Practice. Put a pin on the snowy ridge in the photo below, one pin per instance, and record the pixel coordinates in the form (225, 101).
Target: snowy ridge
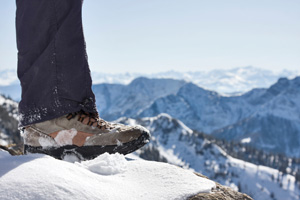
(106, 177)
(179, 145)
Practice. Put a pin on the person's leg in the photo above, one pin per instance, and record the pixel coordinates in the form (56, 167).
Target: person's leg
(52, 61)
(57, 110)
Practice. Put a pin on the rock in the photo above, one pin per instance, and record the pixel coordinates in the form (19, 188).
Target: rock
(220, 193)
(11, 151)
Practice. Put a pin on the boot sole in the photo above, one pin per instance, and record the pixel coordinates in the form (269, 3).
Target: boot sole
(89, 152)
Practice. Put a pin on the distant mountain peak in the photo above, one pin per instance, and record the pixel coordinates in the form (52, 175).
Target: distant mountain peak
(284, 84)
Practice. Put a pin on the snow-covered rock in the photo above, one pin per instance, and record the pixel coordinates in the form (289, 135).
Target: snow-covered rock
(39, 177)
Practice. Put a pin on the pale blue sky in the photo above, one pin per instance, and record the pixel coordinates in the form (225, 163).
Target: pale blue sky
(184, 35)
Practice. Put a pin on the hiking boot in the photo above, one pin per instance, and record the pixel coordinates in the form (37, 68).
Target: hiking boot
(84, 135)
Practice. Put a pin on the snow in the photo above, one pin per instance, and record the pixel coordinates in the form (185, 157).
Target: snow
(65, 137)
(246, 140)
(106, 164)
(3, 142)
(119, 143)
(106, 177)
(260, 178)
(45, 141)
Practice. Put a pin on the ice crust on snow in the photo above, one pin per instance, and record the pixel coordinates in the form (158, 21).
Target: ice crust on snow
(106, 177)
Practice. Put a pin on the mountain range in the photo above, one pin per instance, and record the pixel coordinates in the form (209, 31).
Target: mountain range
(261, 117)
(265, 118)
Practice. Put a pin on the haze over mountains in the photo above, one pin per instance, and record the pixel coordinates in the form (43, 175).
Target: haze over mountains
(229, 82)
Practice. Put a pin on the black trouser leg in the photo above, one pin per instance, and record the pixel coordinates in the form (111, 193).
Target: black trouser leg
(52, 61)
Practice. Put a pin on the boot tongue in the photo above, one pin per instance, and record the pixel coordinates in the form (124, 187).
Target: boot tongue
(93, 119)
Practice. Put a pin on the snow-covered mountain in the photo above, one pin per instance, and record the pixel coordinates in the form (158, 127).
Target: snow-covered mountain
(174, 142)
(257, 115)
(230, 82)
(268, 117)
(9, 133)
(114, 100)
(275, 124)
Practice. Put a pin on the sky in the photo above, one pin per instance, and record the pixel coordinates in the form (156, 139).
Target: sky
(149, 36)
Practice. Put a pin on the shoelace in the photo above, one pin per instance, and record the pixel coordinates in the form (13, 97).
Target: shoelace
(91, 119)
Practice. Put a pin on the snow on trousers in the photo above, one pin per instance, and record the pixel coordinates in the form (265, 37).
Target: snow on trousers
(52, 60)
